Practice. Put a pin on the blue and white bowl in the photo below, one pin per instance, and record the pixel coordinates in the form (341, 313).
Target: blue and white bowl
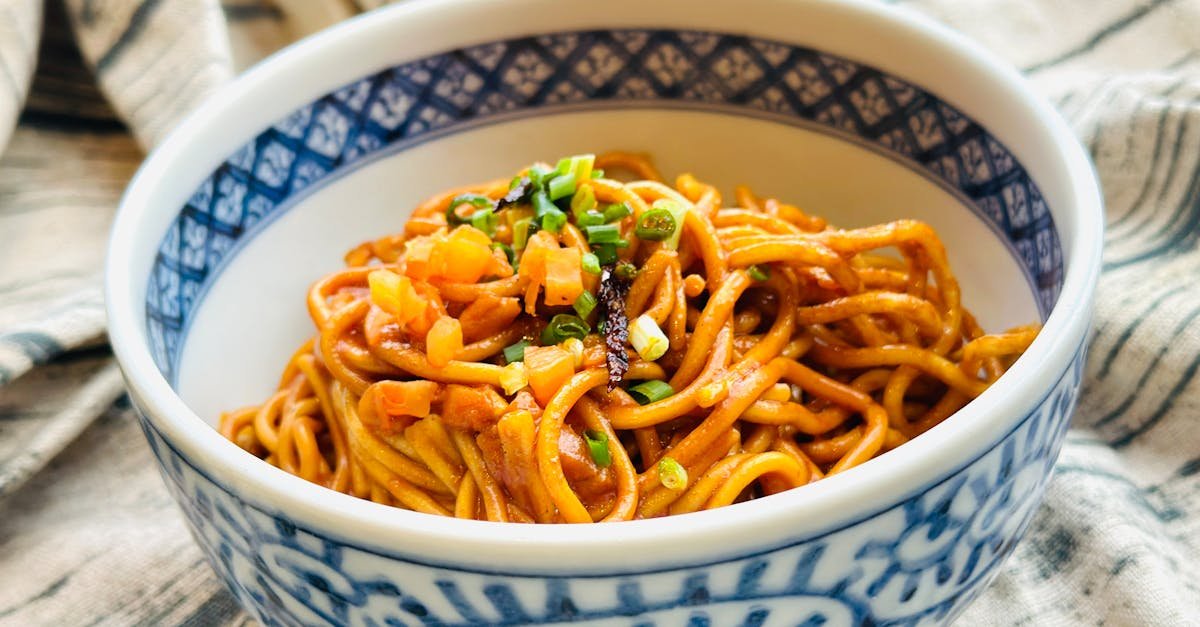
(858, 112)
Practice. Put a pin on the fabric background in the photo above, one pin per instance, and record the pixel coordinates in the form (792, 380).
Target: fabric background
(88, 534)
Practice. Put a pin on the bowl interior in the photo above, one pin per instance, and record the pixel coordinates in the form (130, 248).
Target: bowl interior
(840, 139)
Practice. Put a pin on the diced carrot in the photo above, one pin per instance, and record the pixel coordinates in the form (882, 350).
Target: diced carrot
(533, 266)
(524, 401)
(421, 259)
(564, 276)
(487, 315)
(473, 407)
(549, 368)
(467, 253)
(400, 403)
(397, 296)
(443, 342)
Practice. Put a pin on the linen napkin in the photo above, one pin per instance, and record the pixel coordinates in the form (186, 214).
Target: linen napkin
(88, 534)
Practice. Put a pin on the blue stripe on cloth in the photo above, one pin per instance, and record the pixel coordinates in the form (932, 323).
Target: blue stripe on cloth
(1164, 407)
(1129, 330)
(1155, 159)
(1100, 35)
(1172, 235)
(137, 22)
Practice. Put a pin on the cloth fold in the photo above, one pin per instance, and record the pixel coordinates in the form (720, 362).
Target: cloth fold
(1114, 543)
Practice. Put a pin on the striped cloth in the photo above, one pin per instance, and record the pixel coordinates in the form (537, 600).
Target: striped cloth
(89, 535)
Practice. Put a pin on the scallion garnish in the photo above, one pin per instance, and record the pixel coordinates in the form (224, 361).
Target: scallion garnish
(677, 211)
(516, 352)
(597, 442)
(617, 211)
(759, 273)
(597, 173)
(522, 229)
(538, 174)
(589, 218)
(591, 263)
(603, 234)
(672, 474)
(606, 253)
(553, 221)
(651, 391)
(656, 225)
(485, 220)
(478, 201)
(648, 338)
(583, 201)
(584, 304)
(542, 204)
(561, 186)
(563, 326)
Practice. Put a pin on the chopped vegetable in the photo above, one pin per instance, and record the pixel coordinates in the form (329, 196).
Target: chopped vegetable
(603, 234)
(507, 250)
(514, 376)
(647, 338)
(584, 304)
(471, 252)
(589, 218)
(590, 263)
(514, 353)
(479, 201)
(563, 326)
(651, 391)
(549, 369)
(397, 296)
(553, 221)
(759, 273)
(597, 443)
(575, 346)
(583, 201)
(615, 325)
(443, 342)
(561, 186)
(656, 225)
(579, 165)
(617, 211)
(522, 229)
(564, 276)
(542, 204)
(672, 474)
(399, 403)
(597, 173)
(485, 220)
(677, 211)
(606, 254)
(471, 406)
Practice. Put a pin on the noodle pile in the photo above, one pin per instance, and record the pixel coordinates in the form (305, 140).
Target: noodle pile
(567, 347)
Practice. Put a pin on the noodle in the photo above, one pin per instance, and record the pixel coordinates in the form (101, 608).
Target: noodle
(568, 347)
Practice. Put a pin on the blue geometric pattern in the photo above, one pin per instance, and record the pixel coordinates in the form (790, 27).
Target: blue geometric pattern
(917, 562)
(730, 73)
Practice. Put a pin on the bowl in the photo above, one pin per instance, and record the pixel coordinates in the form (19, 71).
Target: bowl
(854, 110)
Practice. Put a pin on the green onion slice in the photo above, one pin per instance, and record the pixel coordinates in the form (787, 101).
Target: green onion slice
(584, 304)
(563, 326)
(606, 254)
(516, 352)
(553, 221)
(617, 211)
(561, 186)
(672, 474)
(759, 273)
(651, 391)
(485, 220)
(603, 234)
(597, 442)
(591, 263)
(479, 201)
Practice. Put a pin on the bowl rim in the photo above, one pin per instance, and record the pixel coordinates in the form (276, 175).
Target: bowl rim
(837, 501)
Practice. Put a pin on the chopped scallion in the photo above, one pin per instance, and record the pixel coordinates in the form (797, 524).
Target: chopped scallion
(591, 263)
(553, 221)
(563, 326)
(561, 186)
(617, 211)
(606, 253)
(626, 271)
(672, 474)
(589, 218)
(603, 234)
(584, 304)
(478, 201)
(677, 211)
(542, 204)
(597, 442)
(522, 229)
(583, 201)
(485, 220)
(516, 352)
(647, 338)
(651, 391)
(597, 173)
(507, 250)
(759, 273)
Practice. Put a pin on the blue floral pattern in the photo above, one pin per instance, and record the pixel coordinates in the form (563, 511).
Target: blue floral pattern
(725, 72)
(918, 562)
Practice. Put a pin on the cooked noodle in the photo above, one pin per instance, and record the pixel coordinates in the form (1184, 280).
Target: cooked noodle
(779, 350)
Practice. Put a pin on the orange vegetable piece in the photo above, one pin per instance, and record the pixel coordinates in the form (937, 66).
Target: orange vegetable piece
(467, 255)
(474, 407)
(549, 368)
(400, 403)
(421, 259)
(564, 276)
(443, 342)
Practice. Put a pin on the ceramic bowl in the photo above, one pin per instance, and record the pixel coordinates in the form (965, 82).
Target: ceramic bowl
(854, 110)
